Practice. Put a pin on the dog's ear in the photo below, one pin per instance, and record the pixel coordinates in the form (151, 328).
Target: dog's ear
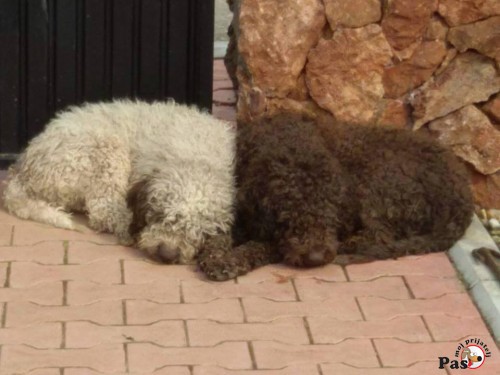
(133, 193)
(137, 203)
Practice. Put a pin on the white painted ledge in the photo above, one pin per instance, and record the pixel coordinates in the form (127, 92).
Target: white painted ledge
(220, 48)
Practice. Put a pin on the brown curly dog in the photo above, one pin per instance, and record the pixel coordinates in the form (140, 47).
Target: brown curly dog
(310, 192)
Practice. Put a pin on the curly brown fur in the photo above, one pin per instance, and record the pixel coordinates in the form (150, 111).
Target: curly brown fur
(220, 261)
(413, 194)
(310, 192)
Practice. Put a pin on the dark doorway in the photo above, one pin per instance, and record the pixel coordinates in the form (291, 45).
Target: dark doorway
(55, 53)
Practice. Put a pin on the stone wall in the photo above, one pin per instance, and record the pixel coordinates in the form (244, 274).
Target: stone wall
(429, 65)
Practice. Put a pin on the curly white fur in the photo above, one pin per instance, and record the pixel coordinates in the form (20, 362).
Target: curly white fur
(88, 157)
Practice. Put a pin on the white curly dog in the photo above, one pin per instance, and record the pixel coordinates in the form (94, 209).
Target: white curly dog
(160, 175)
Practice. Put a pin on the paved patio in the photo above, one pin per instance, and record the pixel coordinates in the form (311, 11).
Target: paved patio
(78, 304)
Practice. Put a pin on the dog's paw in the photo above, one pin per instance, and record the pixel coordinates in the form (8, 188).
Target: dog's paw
(221, 272)
(220, 267)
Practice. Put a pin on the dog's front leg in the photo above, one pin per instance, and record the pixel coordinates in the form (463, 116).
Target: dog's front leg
(220, 261)
(110, 214)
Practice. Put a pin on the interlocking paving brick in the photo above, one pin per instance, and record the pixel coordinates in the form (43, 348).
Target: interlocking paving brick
(454, 328)
(46, 294)
(200, 291)
(3, 272)
(452, 304)
(224, 112)
(327, 330)
(397, 353)
(432, 287)
(45, 371)
(83, 293)
(224, 97)
(222, 310)
(422, 368)
(21, 359)
(262, 310)
(387, 287)
(25, 274)
(5, 234)
(139, 272)
(26, 313)
(51, 252)
(209, 333)
(436, 264)
(223, 84)
(147, 357)
(273, 355)
(167, 370)
(280, 273)
(220, 71)
(86, 252)
(87, 335)
(41, 336)
(301, 369)
(31, 233)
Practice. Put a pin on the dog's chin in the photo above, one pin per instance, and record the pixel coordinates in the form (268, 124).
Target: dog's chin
(169, 249)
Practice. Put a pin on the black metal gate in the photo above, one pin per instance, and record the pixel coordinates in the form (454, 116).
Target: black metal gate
(54, 53)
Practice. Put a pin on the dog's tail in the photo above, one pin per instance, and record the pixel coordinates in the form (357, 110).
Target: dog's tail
(18, 202)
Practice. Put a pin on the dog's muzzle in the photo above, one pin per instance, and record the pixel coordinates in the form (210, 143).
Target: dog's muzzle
(168, 254)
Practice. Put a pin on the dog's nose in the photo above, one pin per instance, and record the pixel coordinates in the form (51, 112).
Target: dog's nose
(320, 254)
(315, 258)
(479, 358)
(168, 254)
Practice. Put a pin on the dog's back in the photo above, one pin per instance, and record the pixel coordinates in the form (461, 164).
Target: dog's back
(414, 194)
